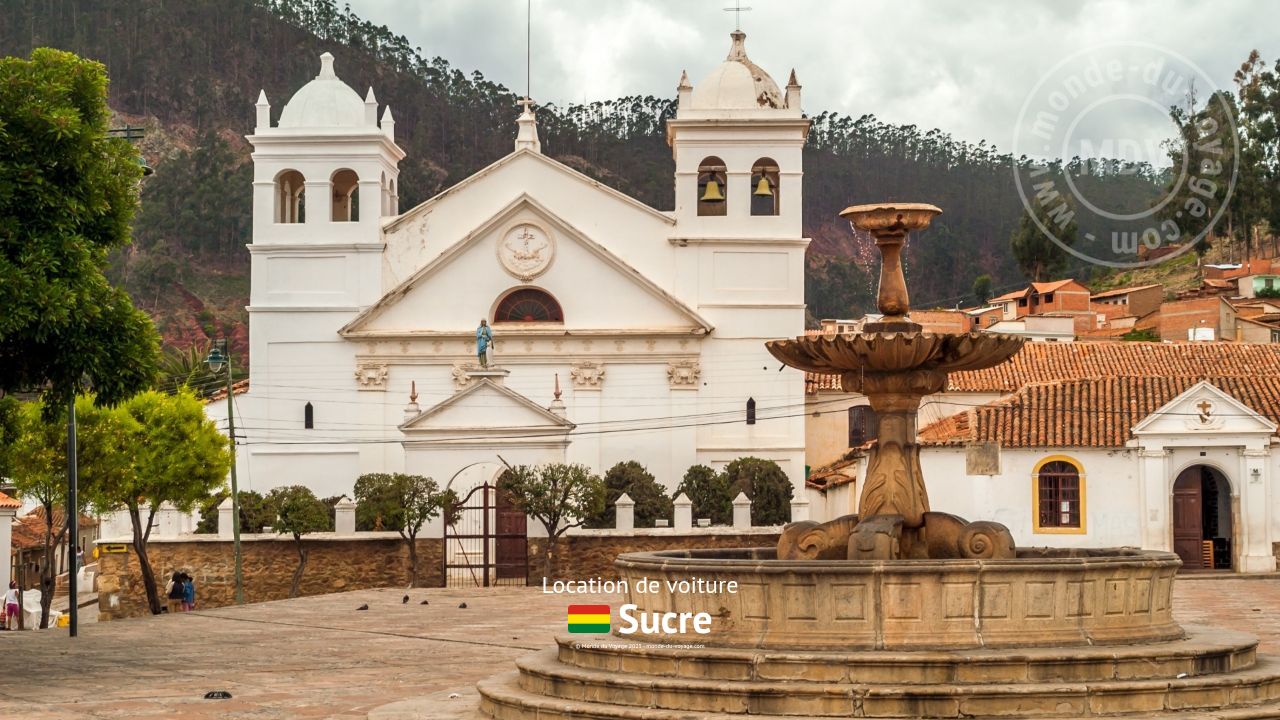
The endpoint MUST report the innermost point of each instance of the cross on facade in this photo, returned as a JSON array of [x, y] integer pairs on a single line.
[[1205, 407], [737, 11]]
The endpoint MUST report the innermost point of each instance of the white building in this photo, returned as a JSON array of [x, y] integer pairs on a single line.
[[622, 332], [1101, 444]]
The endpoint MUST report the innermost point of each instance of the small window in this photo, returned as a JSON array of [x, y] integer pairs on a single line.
[[764, 187], [308, 417], [1048, 298], [1022, 302], [862, 425], [1059, 496], [751, 411], [345, 187], [528, 305], [712, 187], [290, 196]]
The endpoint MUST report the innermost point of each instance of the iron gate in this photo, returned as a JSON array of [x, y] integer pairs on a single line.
[[488, 544]]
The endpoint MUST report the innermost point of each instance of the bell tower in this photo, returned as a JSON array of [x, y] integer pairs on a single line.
[[325, 176], [738, 142]]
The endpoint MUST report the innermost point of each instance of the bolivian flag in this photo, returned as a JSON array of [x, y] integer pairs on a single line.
[[588, 618]]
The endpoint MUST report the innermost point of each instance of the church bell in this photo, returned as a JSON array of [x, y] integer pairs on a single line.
[[712, 193], [762, 188]]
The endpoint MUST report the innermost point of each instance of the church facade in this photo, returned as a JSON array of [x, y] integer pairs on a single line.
[[620, 332]]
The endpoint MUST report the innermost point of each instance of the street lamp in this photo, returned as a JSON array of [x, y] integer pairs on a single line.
[[219, 357]]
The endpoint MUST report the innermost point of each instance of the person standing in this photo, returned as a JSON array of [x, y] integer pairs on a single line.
[[188, 593], [173, 593], [11, 606], [484, 338]]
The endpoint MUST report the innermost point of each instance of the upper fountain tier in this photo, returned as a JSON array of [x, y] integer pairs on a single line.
[[895, 352]]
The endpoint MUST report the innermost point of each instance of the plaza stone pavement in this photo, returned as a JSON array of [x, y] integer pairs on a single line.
[[317, 657]]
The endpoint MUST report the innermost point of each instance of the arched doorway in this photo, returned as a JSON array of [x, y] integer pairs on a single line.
[[1202, 519], [487, 542]]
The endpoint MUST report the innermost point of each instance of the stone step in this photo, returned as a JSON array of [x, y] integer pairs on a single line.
[[1204, 651], [502, 698], [543, 674]]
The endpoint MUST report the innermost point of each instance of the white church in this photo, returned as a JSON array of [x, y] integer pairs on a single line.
[[621, 332]]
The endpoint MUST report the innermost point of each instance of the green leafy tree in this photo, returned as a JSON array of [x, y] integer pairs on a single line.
[[982, 289], [170, 452], [404, 503], [67, 195], [254, 513], [558, 495], [766, 484], [1039, 257], [10, 429], [298, 512], [710, 492], [651, 499]]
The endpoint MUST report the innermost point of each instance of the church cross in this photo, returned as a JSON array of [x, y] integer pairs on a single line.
[[737, 11], [1204, 407]]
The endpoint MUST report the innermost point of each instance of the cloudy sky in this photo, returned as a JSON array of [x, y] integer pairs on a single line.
[[965, 67]]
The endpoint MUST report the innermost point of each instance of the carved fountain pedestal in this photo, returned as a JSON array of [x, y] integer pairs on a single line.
[[900, 611]]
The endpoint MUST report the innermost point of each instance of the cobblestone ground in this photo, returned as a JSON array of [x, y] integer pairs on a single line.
[[318, 657]]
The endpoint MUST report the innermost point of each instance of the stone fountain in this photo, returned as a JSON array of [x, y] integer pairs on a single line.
[[900, 611]]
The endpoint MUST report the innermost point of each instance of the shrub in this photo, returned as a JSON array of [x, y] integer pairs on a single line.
[[632, 478], [254, 514], [766, 484], [711, 493]]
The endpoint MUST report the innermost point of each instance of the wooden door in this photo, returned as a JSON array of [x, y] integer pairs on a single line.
[[1187, 517], [510, 539]]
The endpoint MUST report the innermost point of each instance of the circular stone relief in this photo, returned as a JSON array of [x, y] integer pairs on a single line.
[[526, 251]]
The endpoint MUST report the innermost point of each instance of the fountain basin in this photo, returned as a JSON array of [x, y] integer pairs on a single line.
[[1042, 598], [895, 351]]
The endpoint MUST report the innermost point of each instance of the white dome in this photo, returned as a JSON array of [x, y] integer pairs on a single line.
[[737, 84], [325, 102]]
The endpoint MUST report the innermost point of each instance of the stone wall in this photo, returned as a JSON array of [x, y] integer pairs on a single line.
[[590, 553], [334, 564]]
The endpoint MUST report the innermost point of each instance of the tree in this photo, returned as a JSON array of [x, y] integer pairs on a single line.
[[766, 484], [254, 513], [982, 289], [711, 494], [632, 478], [1039, 257], [404, 503], [67, 195], [168, 452], [557, 495], [298, 512]]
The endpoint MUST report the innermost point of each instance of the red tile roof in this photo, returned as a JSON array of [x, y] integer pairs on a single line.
[[1093, 412], [8, 503], [239, 387], [28, 530], [1050, 361], [1123, 290]]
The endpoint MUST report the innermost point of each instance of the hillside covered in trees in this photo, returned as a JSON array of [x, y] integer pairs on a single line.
[[189, 72]]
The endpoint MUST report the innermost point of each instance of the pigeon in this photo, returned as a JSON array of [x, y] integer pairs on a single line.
[[425, 602], [463, 606], [363, 607], [405, 600]]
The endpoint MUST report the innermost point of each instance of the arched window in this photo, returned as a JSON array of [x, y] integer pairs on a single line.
[[308, 417], [345, 188], [764, 187], [384, 195], [1058, 491], [862, 425], [751, 411], [395, 199], [290, 190], [528, 305], [712, 187]]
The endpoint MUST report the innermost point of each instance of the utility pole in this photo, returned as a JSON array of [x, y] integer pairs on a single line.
[[220, 356], [73, 516]]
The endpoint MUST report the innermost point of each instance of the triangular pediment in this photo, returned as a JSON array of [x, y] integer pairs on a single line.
[[1204, 408], [597, 290], [484, 407]]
